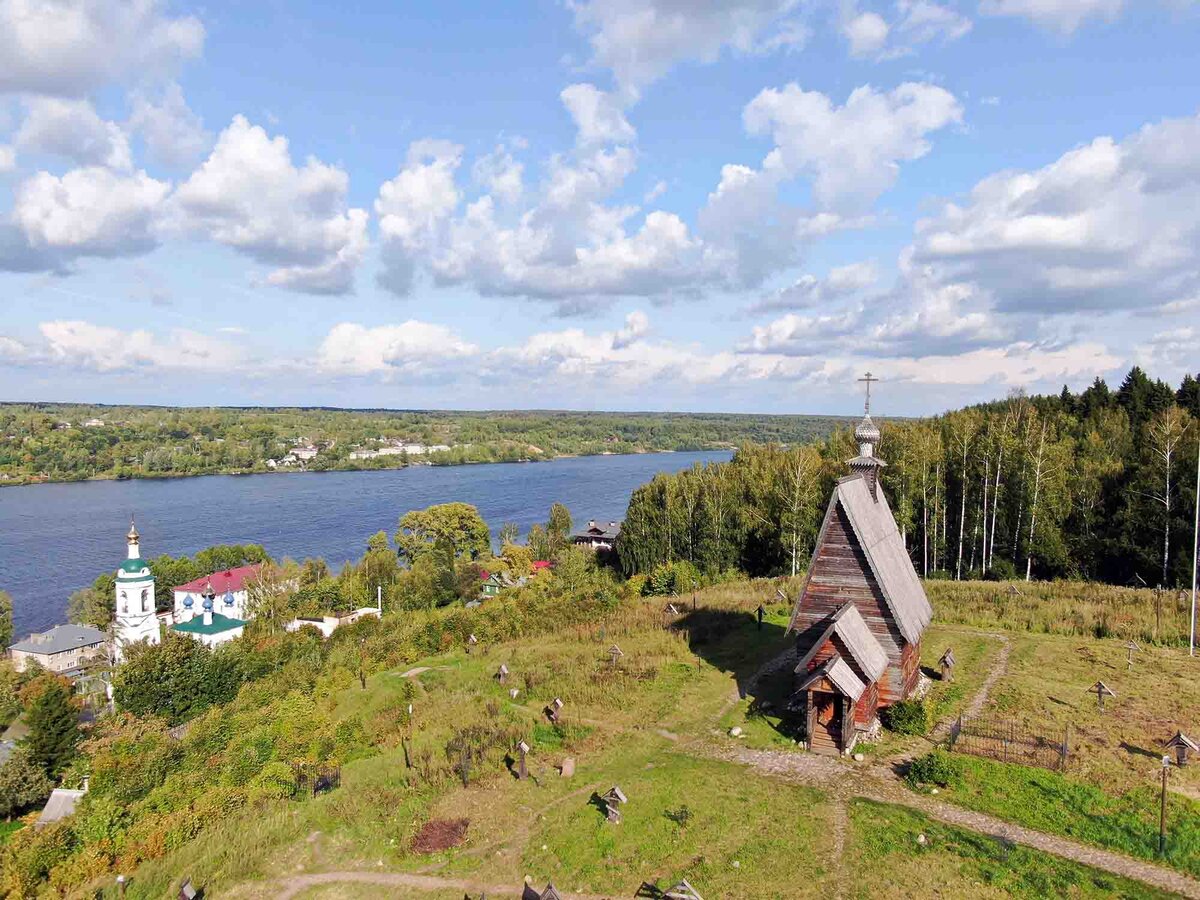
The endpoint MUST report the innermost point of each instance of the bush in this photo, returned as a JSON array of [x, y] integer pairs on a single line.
[[1001, 570], [938, 767], [907, 717], [672, 578]]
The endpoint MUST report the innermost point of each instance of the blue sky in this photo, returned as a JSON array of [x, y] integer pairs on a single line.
[[601, 204]]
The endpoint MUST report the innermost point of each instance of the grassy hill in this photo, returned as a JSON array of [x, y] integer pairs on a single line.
[[739, 817]]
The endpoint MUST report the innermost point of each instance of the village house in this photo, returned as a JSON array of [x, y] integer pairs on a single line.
[[63, 649], [597, 535], [861, 611], [327, 625]]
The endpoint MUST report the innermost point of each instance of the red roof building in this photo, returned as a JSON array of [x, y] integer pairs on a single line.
[[229, 581]]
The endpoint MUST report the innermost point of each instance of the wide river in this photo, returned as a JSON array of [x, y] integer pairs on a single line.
[[55, 538]]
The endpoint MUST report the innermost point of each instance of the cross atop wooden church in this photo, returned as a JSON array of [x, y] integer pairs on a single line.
[[869, 379]]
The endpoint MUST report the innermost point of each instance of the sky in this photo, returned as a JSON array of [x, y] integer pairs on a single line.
[[690, 205]]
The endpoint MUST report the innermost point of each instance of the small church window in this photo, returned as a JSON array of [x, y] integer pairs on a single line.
[[124, 602], [145, 598]]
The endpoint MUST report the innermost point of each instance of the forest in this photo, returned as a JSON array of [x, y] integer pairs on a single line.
[[1097, 485], [61, 442]]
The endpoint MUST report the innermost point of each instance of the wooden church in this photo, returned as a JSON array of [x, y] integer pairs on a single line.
[[861, 612]]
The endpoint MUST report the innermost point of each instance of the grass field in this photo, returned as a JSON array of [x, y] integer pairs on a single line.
[[639, 726]]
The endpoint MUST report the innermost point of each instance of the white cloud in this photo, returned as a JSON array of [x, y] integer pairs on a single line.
[[867, 33], [104, 349], [250, 196], [1059, 15], [1021, 364], [412, 348], [640, 40], [1109, 225], [173, 133], [8, 159], [809, 290], [500, 175], [72, 129], [73, 47], [637, 326], [1173, 351], [853, 151], [12, 351], [598, 117], [90, 212]]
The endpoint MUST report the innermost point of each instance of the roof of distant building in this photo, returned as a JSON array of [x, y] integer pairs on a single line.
[[61, 638], [222, 582], [600, 530], [219, 625], [60, 805]]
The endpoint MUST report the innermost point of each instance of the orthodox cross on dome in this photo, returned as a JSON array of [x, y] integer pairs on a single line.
[[869, 379]]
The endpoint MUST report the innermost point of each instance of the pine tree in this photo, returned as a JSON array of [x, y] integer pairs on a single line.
[[53, 728]]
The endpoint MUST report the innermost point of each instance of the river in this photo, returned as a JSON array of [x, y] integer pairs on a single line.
[[56, 538]]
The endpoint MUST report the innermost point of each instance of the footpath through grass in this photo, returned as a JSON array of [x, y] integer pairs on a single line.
[[886, 858], [1056, 804]]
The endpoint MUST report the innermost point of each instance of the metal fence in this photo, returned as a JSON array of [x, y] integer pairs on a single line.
[[1009, 741]]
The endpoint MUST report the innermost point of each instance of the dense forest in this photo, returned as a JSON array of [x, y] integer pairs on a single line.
[[1098, 485], [58, 442]]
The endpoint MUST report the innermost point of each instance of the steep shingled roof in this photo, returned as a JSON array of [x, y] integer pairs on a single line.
[[875, 527], [842, 676], [848, 624]]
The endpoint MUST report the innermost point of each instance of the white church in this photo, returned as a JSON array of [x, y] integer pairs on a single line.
[[195, 613]]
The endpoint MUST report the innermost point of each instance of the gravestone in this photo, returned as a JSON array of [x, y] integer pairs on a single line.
[[471, 642], [513, 692], [522, 751], [567, 770], [502, 674]]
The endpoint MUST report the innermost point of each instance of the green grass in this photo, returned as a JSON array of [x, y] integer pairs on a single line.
[[7, 829], [1050, 802], [884, 857]]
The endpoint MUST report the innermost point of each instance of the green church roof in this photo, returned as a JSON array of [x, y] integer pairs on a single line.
[[219, 624], [134, 566]]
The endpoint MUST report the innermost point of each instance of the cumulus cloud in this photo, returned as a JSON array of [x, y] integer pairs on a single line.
[[250, 196], [1173, 350], [867, 33], [70, 48], [8, 159], [104, 349], [852, 152], [174, 134], [88, 212], [599, 119], [72, 129], [809, 291], [412, 348], [1063, 16], [1109, 225], [640, 40], [500, 174], [915, 22]]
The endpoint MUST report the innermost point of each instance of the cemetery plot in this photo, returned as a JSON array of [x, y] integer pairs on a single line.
[[1008, 741]]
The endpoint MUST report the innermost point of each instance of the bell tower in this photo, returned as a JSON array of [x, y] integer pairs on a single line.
[[135, 619]]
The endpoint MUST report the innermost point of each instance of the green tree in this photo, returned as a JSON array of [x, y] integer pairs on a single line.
[[53, 728], [22, 783], [450, 530], [508, 534], [87, 606], [558, 528], [174, 679], [6, 622]]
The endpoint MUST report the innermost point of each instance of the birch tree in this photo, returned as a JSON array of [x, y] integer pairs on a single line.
[[1165, 434]]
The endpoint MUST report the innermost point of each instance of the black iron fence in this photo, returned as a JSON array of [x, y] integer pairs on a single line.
[[312, 780], [1010, 741]]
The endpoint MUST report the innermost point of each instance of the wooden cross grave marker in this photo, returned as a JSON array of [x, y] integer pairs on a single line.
[[502, 674], [1132, 648], [1182, 745], [614, 654], [947, 664], [1101, 690]]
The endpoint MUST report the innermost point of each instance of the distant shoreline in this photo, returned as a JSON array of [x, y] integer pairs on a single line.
[[292, 470]]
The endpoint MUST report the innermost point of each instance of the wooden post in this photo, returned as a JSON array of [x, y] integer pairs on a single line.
[[522, 770], [1162, 808], [761, 612], [121, 880]]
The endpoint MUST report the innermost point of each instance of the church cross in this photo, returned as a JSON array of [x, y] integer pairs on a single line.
[[869, 379]]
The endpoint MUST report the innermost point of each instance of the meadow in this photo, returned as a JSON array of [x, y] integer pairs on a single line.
[[653, 724]]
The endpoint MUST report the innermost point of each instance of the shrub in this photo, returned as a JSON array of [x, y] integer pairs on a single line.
[[1001, 570], [937, 767], [907, 717]]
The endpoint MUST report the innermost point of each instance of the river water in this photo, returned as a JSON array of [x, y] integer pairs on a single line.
[[55, 538]]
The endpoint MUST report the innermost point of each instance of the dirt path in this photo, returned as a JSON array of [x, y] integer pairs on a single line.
[[289, 888]]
